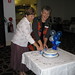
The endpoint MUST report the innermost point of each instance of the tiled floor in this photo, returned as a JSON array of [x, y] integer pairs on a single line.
[[5, 61], [67, 43]]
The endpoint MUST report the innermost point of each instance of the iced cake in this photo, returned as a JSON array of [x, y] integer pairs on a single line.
[[50, 53]]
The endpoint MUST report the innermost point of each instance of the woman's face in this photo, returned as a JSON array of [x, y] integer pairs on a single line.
[[30, 17], [45, 14]]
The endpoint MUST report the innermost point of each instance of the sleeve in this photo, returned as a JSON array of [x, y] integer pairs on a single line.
[[48, 23], [26, 33], [48, 33], [35, 29]]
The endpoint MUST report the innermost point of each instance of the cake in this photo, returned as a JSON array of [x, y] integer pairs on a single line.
[[50, 53]]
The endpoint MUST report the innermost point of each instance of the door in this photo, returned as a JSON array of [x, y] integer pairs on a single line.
[[2, 28]]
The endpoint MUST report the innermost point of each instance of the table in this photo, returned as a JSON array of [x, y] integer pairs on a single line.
[[64, 64]]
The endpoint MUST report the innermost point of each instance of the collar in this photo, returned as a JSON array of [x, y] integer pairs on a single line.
[[27, 20]]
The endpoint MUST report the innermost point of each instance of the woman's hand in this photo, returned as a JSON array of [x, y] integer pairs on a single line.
[[45, 45], [40, 44], [40, 48]]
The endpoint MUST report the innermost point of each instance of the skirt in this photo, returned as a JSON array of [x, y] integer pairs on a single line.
[[16, 58]]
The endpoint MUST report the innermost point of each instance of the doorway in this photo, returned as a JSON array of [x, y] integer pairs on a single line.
[[21, 6], [2, 28]]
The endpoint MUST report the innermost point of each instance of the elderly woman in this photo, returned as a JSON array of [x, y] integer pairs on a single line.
[[41, 27]]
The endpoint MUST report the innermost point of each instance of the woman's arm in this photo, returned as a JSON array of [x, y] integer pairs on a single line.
[[45, 42], [35, 29], [38, 47], [40, 44]]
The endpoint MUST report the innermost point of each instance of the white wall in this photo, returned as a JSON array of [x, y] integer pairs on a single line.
[[9, 11], [57, 7], [61, 8], [69, 8], [39, 7]]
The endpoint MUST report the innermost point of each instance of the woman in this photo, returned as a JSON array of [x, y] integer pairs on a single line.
[[20, 41], [41, 27]]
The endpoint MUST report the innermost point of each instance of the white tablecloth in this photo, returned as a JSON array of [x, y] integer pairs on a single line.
[[64, 64]]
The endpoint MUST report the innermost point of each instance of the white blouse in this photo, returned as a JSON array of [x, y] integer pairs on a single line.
[[23, 33]]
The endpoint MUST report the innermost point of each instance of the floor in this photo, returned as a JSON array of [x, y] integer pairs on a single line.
[[67, 43]]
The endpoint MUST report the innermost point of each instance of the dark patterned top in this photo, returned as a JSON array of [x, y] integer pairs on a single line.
[[41, 29]]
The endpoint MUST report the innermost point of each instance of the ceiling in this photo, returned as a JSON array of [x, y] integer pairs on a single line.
[[23, 2]]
